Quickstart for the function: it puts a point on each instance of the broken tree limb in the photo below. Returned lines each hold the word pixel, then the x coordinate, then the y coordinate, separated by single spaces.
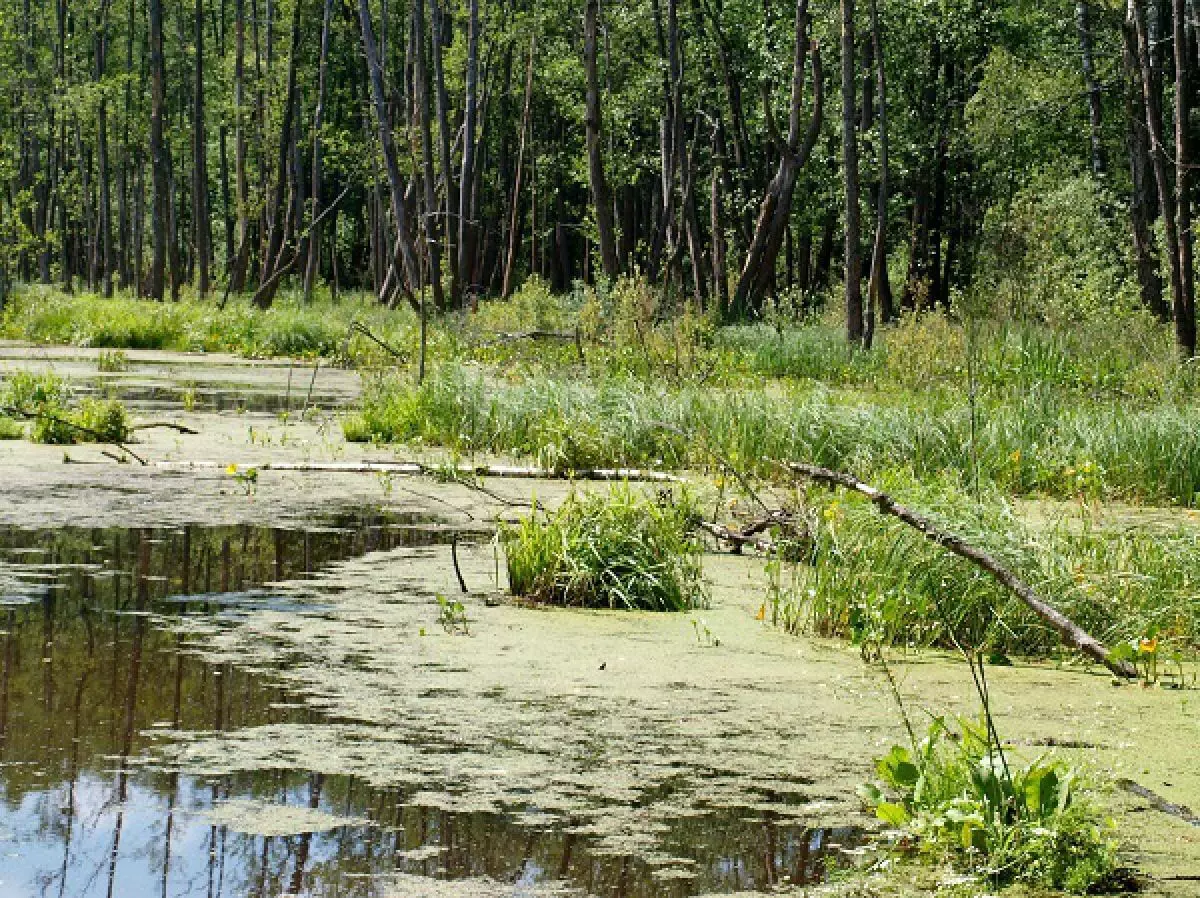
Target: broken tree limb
pixel 31 414
pixel 1070 632
pixel 738 540
pixel 169 425
pixel 415 469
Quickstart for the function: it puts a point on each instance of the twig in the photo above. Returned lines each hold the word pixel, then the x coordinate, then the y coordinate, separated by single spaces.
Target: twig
pixel 360 328
pixel 312 383
pixel 1071 632
pixel 167 424
pixel 462 584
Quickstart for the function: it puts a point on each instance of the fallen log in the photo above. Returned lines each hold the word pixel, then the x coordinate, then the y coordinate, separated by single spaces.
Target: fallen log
pixel 1070 632
pixel 416 469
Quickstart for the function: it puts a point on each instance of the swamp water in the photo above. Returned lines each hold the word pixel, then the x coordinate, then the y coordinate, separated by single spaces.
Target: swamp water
pixel 96 672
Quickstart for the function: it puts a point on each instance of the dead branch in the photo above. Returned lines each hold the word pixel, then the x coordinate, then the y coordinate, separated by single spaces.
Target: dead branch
pixel 29 414
pixel 415 469
pixel 1070 632
pixel 179 428
pixel 738 540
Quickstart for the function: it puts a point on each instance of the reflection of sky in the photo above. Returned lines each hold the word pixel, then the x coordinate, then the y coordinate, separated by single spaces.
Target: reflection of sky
pixel 37 862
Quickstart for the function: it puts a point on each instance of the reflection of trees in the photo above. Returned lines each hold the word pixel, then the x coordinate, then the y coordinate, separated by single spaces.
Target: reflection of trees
pixel 85 673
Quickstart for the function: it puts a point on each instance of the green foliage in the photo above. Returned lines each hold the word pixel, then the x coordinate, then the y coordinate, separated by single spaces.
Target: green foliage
pixel 620 550
pixel 46 399
pixel 112 362
pixel 967 804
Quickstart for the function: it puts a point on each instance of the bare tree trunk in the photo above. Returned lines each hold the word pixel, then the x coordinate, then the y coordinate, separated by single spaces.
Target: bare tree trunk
pixel 280 222
pixel 441 39
pixel 855 327
pixel 104 256
pixel 601 200
pixel 1185 307
pixel 775 210
pixel 404 254
pixel 313 263
pixel 237 276
pixel 423 101
pixel 467 175
pixel 1084 27
pixel 1143 201
pixel 879 291
pixel 514 230
pixel 158 153
pixel 202 225
pixel 1185 332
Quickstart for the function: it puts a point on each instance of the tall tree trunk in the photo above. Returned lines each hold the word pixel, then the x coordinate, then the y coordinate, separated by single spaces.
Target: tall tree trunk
pixel 279 221
pixel 237 276
pixel 880 288
pixel 855 326
pixel 424 101
pixel 104 256
pixel 514 229
pixel 759 268
pixel 159 163
pixel 1185 306
pixel 313 263
pixel 601 200
pixel 1083 15
pixel 403 254
pixel 1143 203
pixel 466 181
pixel 202 224
pixel 441 39
pixel 1166 196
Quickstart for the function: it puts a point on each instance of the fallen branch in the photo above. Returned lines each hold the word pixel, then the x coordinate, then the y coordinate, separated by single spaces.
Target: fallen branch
pixel 179 428
pixel 739 540
pixel 30 414
pixel 356 327
pixel 415 469
pixel 1071 633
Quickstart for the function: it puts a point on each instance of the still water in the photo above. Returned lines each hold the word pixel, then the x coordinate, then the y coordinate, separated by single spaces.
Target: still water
pixel 92 675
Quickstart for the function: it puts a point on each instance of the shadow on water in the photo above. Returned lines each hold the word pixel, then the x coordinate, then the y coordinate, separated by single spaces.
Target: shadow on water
pixel 89 679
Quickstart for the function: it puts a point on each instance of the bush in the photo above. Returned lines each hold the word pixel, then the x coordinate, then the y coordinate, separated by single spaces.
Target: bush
pixel 622 550
pixel 967 804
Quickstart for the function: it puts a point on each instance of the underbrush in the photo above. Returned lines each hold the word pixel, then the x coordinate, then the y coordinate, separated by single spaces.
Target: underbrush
pixel 626 329
pixel 967 803
pixel 871 577
pixel 1037 443
pixel 47 402
pixel 622 550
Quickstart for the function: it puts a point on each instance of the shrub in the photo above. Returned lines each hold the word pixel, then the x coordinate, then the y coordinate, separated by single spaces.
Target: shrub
pixel 622 550
pixel 105 420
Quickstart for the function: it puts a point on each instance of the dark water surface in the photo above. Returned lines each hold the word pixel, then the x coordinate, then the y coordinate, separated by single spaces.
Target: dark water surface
pixel 89 671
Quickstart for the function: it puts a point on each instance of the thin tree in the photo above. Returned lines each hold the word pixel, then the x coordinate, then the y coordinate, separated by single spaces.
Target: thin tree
pixel 855 328
pixel 601 199
pixel 775 210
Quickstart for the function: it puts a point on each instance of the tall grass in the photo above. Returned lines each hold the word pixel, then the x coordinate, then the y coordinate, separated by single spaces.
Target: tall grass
pixel 620 551
pixel 1040 442
pixel 876 579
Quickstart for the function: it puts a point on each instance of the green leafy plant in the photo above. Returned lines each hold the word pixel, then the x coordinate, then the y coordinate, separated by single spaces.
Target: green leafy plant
pixel 621 550
pixel 452 615
pixel 112 361
pixel 964 802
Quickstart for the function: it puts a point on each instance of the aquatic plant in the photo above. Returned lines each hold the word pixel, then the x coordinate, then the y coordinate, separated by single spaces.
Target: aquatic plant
pixel 112 361
pixel 966 803
pixel 621 550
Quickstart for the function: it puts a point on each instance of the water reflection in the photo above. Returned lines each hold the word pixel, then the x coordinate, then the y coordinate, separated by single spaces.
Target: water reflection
pixel 89 678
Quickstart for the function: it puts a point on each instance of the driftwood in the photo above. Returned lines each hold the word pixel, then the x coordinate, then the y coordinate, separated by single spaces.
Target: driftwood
pixel 738 539
pixel 418 469
pixel 169 425
pixel 754 534
pixel 1070 632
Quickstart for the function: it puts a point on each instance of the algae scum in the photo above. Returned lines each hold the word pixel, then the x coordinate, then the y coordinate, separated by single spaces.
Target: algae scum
pixel 106 691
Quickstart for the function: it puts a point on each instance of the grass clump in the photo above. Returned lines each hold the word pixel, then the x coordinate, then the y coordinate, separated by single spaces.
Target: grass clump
pixel 968 804
pixel 46 400
pixel 112 362
pixel 621 550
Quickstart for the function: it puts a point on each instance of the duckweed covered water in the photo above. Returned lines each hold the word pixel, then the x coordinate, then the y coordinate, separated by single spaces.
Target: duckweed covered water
pixel 100 677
